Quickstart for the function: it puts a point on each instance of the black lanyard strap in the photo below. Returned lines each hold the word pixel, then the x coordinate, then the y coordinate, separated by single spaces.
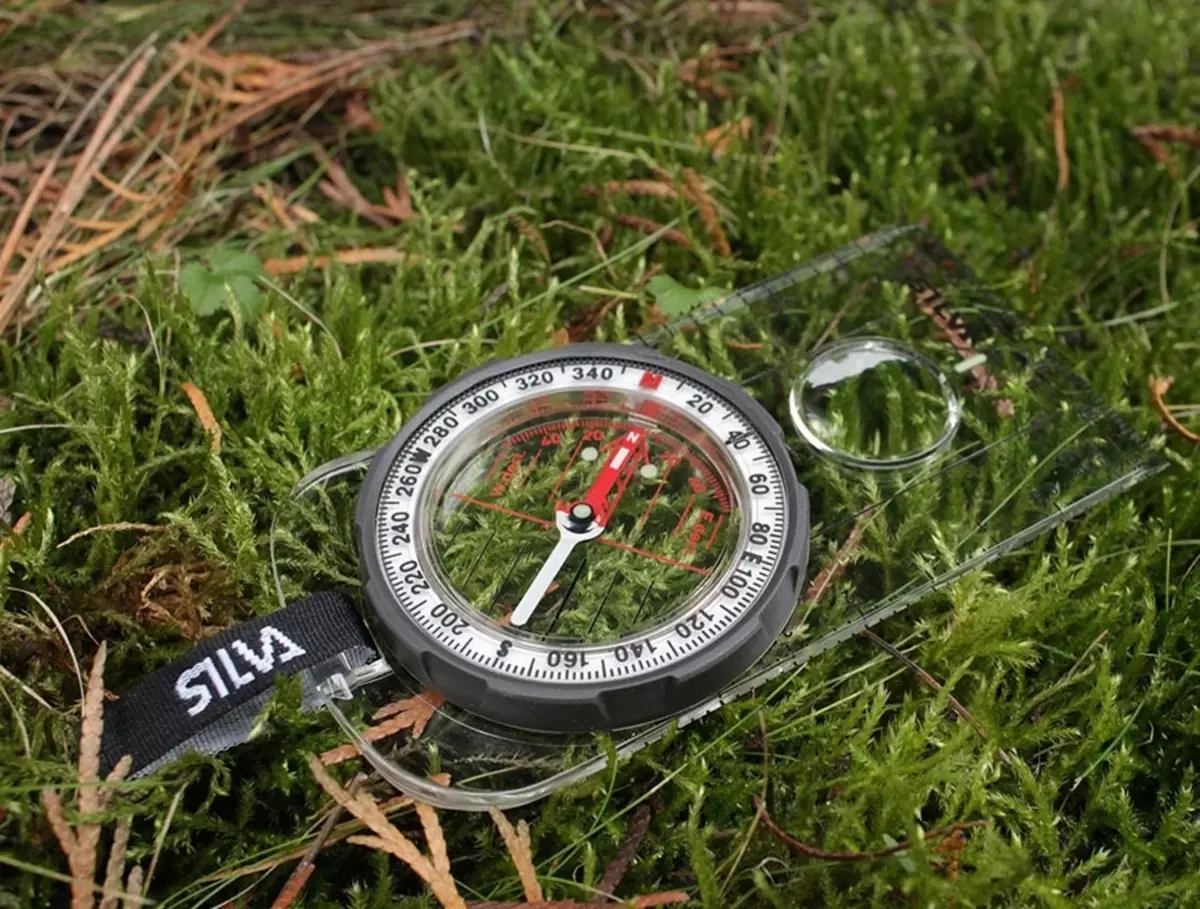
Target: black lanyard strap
pixel 209 699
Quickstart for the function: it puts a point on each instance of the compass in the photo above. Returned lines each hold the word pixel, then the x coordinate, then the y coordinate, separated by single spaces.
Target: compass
pixel 600 537
pixel 587 538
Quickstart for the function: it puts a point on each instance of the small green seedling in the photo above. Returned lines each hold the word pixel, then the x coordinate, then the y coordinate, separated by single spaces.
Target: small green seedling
pixel 230 279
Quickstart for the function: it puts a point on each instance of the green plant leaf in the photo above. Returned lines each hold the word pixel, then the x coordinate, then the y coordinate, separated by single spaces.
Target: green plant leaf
pixel 230 279
pixel 674 299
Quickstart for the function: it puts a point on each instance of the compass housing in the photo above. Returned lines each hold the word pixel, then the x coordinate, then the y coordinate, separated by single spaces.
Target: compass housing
pixel 434 611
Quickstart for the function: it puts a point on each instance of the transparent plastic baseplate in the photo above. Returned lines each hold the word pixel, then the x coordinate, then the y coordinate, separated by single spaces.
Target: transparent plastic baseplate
pixel 933 431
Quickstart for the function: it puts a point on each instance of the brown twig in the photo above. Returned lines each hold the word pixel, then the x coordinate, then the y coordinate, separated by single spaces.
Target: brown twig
pixel 366 256
pixel 329 71
pixel 341 189
pixel 834 568
pixel 90 161
pixel 111 528
pixel 646 226
pixel 1057 117
pixel 658 189
pixel 1158 387
pixel 650 900
pixel 1169 133
pixel 299 877
pixel 17 231
pixel 694 188
pixel 955 705
pixel 851 298
pixel 838 855
pixel 204 414
pixel 614 872
pixel 1152 135
pixel 579 330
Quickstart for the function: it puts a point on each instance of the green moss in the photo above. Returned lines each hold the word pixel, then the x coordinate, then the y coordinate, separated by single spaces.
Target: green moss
pixel 1078 653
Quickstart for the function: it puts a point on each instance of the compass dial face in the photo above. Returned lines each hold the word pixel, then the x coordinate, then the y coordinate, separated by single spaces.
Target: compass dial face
pixel 587 538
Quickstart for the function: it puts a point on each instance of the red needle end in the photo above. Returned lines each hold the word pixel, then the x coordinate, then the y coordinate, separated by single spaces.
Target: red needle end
pixel 619 467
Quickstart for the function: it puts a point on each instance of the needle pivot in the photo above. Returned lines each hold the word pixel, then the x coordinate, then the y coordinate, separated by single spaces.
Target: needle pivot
pixel 580 515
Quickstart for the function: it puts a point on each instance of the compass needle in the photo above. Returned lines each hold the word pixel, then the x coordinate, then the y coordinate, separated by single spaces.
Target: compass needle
pixel 542 580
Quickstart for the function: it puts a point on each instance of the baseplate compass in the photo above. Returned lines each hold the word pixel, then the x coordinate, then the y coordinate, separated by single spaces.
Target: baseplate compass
pixel 585 548
pixel 563 556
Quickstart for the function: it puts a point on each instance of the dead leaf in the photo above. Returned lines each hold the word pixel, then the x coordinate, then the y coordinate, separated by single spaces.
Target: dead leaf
pixel 718 139
pixel 58 823
pixel 99 147
pixel 695 72
pixel 1159 385
pixel 358 116
pixel 91 731
pixel 22 523
pixel 560 337
pixel 518 845
pixel 303 213
pixel 81 845
pixel 204 414
pixel 398 202
pixel 408 713
pixel 87 834
pixel 237 64
pixel 133 888
pixel 387 837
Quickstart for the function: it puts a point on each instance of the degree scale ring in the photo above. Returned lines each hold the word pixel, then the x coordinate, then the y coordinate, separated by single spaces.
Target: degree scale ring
pixel 489 582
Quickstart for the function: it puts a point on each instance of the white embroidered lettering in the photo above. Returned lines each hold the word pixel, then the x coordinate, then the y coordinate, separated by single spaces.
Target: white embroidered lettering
pixel 265 660
pixel 239 679
pixel 187 691
pixel 196 691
